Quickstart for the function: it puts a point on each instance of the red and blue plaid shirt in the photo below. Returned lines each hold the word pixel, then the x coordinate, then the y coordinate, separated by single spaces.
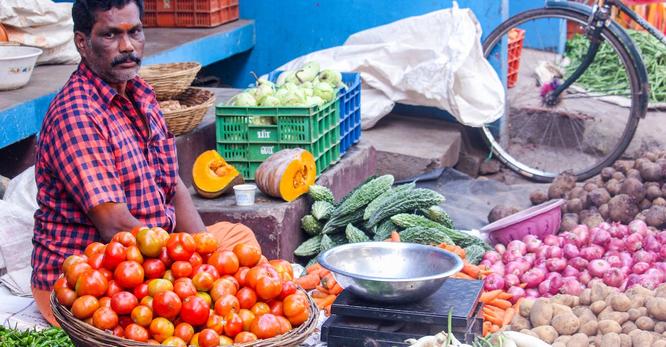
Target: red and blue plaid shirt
pixel 97 146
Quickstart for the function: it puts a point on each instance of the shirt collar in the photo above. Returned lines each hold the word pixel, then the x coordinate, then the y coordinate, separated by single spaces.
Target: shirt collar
pixel 135 88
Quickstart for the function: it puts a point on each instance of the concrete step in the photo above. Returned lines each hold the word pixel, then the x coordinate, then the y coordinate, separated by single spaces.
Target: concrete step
pixel 409 146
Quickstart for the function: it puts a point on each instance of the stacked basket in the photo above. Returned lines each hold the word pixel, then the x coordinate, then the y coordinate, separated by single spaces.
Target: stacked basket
pixel 183 107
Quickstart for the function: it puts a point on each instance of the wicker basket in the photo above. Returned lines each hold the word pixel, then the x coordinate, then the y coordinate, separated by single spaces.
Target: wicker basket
pixel 85 335
pixel 171 79
pixel 183 120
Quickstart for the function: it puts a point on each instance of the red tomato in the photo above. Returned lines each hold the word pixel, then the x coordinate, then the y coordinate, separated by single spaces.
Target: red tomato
pixel 226 341
pixel 205 242
pixel 234 324
pixel 61 282
pixel 136 230
pixel 136 332
pixel 268 288
pixel 196 260
pixel 114 254
pixel 161 328
pixel 184 289
pixel 94 248
pixel 164 257
pixel 209 338
pixel 104 302
pixel 124 302
pixel 247 255
pixel 141 291
pixel 75 270
pixel 123 321
pixel 276 307
pixel 285 325
pixel 294 305
pixel 169 276
pixel 245 336
pixel 203 281
pixel 134 254
pixel 167 304
pixel 216 323
pixel 248 317
pixel 260 308
pixel 226 262
pixel 174 341
pixel 181 246
pixel 149 242
pixel 65 296
pixel 107 274
pixel 113 288
pixel 129 274
pixel 104 318
pixel 225 304
pixel 71 260
pixel 91 282
pixel 206 297
pixel 288 288
pixel 258 272
pixel 207 268
pixel 266 326
pixel 142 315
pixel 119 331
pixel 233 280
pixel 154 268
pixel 246 297
pixel 95 260
pixel 125 238
pixel 281 266
pixel 184 331
pixel 195 310
pixel 221 287
pixel 241 275
pixel 159 285
pixel 181 268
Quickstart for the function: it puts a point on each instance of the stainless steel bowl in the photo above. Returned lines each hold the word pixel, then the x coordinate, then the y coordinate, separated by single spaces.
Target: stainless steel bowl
pixel 390 272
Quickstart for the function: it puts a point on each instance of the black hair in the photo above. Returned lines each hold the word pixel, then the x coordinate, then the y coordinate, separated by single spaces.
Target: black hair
pixel 84 11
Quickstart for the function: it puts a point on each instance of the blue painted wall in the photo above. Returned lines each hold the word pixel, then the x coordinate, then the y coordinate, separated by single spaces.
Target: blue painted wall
pixel 288 29
pixel 543 34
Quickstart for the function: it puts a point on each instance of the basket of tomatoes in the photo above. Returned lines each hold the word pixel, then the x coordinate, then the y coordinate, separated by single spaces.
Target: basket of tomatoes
pixel 149 287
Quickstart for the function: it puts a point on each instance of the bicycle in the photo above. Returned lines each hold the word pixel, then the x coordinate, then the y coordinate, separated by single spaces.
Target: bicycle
pixel 593 129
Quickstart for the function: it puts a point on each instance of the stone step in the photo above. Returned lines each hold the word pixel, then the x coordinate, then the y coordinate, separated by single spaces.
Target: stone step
pixel 409 146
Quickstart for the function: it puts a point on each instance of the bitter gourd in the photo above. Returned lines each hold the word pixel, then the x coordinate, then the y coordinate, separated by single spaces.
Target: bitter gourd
pixel 355 234
pixel 407 220
pixel 337 222
pixel 405 201
pixel 474 253
pixel 310 247
pixel 425 236
pixel 386 196
pixel 437 214
pixel 311 225
pixel 321 193
pixel 322 210
pixel 326 243
pixel 384 229
pixel 363 195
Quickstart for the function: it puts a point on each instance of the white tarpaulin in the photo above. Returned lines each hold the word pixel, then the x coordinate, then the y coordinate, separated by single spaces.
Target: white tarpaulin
pixel 431 60
pixel 43 24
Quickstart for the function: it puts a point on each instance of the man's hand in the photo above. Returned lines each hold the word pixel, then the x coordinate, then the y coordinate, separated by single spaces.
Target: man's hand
pixel 110 218
pixel 187 217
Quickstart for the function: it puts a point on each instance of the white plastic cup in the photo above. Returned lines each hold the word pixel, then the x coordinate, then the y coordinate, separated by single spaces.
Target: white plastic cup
pixel 245 194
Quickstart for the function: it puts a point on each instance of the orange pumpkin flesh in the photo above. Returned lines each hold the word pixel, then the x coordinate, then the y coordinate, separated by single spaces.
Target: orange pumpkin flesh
pixel 287 174
pixel 212 176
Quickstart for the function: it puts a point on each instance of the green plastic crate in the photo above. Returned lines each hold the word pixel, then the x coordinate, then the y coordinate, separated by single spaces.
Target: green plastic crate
pixel 245 145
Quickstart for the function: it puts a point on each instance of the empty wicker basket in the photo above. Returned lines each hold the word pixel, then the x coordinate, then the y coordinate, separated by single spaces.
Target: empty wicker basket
pixel 85 335
pixel 170 80
pixel 194 104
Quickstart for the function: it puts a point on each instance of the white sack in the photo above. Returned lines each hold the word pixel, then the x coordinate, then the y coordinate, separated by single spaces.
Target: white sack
pixel 431 60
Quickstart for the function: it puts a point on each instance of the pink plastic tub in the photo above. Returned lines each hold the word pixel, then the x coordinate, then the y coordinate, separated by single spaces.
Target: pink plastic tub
pixel 540 220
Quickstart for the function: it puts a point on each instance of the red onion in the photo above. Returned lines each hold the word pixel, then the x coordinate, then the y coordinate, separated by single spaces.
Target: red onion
pixel 532 243
pixel 633 280
pixel 552 240
pixel 555 282
pixel 633 242
pixel 604 225
pixel 638 226
pixel 615 231
pixel 592 252
pixel 554 252
pixel 556 264
pixel 541 252
pixel 584 277
pixel 570 271
pixel 533 277
pixel 530 258
pixel 486 263
pixel 531 293
pixel 626 258
pixel 517 246
pixel 492 256
pixel 510 256
pixel 516 267
pixel 640 267
pixel 662 252
pixel 651 243
pixel 648 282
pixel 493 281
pixel 582 233
pixel 511 280
pixel 579 263
pixel 600 236
pixel 598 267
pixel 661 266
pixel 500 248
pixel 544 287
pixel 570 250
pixel 516 293
pixel 661 237
pixel 615 245
pixel 571 286
pixel 614 260
pixel 655 274
pixel 613 277
pixel 497 268
pixel 644 256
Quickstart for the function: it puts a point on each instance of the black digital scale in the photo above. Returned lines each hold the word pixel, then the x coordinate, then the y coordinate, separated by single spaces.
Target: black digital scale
pixel 355 322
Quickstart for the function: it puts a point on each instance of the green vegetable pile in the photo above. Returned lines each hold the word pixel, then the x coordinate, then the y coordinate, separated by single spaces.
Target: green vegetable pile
pixel 376 208
pixel 51 337
pixel 607 74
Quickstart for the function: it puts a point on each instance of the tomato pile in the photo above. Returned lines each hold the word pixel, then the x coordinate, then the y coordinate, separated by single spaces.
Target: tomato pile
pixel 179 289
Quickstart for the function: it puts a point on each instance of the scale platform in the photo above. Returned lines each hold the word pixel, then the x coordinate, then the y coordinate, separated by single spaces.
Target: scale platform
pixel 356 322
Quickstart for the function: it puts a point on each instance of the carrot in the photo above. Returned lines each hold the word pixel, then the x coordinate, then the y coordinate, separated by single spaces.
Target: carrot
pixel 464 276
pixel 486 327
pixel 492 310
pixel 328 281
pixel 492 319
pixel 508 316
pixel 490 295
pixel 500 303
pixel 328 300
pixel 505 296
pixel 472 270
pixel 327 310
pixel 314 267
pixel 336 289
pixel 494 328
pixel 309 281
pixel 320 292
pixel 395 237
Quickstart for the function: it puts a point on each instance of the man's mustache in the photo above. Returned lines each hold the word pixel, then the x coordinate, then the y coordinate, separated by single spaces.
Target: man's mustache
pixel 125 58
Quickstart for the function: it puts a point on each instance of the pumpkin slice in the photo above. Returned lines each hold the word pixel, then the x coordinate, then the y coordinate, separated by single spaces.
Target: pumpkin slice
pixel 287 174
pixel 212 176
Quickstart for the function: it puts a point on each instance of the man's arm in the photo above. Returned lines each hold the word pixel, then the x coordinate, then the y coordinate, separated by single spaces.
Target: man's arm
pixel 110 218
pixel 187 217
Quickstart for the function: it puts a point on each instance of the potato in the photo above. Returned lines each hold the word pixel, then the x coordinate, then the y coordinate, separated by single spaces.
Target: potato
pixel 607 173
pixel 546 332
pixel 644 204
pixel 639 291
pixel 660 291
pixel 628 327
pixel 651 172
pixel 574 206
pixel 500 211
pixel 620 302
pixel 656 216
pixel 633 173
pixel 622 208
pixel 609 326
pixel 598 306
pixel 635 313
pixel 659 202
pixel 593 220
pixel 590 186
pixel 625 340
pixel 656 308
pixel 624 166
pixel 541 313
pixel 641 338
pixel 599 290
pixel 558 344
pixel 590 328
pixel 651 156
pixel 565 180
pixel 538 197
pixel 599 196
pixel 613 186
pixel 525 307
pixel 569 221
pixel 562 339
pixel 652 191
pixel 578 340
pixel 519 323
pixel 564 299
pixel 633 188
pixel 604 211
pixel 565 323
pixel 619 176
pixel 619 317
pixel 660 343
pixel 585 296
pixel 529 332
pixel 611 340
pixel 559 309
pixel 645 323
pixel 660 327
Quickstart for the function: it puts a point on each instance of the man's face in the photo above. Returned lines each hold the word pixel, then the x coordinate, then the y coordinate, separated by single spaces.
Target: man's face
pixel 114 48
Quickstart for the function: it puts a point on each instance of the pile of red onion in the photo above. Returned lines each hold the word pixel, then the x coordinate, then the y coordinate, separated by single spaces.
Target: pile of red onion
pixel 620 255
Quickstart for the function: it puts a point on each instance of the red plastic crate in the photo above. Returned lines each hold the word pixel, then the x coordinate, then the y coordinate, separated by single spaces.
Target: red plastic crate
pixel 515 50
pixel 190 13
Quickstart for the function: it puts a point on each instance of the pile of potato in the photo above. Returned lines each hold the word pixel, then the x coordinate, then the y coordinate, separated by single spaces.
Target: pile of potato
pixel 601 316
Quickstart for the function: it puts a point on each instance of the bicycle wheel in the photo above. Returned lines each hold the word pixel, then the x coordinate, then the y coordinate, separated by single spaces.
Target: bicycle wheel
pixel 590 125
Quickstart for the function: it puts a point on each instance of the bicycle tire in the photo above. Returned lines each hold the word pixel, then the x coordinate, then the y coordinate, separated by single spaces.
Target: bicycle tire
pixel 627 56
